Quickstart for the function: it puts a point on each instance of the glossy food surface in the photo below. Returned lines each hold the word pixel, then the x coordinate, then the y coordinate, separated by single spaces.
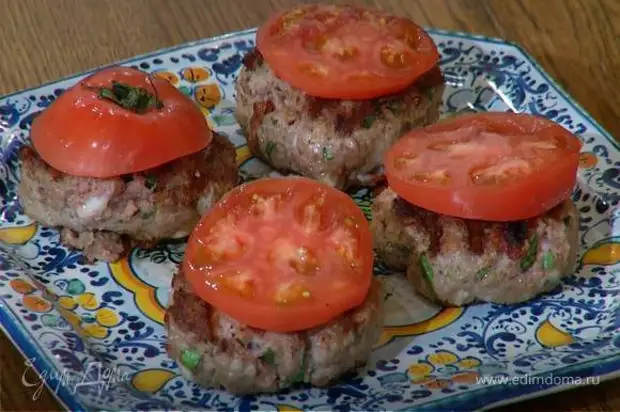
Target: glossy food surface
pixel 491 166
pixel 282 254
pixel 345 52
pixel 117 121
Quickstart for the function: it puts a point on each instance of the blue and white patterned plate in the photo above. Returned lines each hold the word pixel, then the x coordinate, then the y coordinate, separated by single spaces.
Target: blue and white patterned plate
pixel 94 332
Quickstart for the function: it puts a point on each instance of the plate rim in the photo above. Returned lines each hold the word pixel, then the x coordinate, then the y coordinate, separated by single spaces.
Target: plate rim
pixel 515 393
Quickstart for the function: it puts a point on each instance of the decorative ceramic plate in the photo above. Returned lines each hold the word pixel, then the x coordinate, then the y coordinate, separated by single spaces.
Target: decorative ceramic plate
pixel 95 335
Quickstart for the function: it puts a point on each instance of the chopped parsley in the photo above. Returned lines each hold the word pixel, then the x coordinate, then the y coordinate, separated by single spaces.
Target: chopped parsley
pixel 300 376
pixel 482 273
pixel 136 99
pixel 269 356
pixel 147 215
pixel 530 256
pixel 429 93
pixel 399 248
pixel 151 183
pixel 427 272
pixel 327 154
pixel 368 121
pixel 269 148
pixel 427 269
pixel 548 261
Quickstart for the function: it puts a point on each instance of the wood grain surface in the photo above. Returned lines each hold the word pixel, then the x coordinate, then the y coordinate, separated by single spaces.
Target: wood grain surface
pixel 576 41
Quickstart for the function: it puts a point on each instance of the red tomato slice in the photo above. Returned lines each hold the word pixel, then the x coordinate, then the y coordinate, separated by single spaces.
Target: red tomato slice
pixel 345 52
pixel 491 166
pixel 282 254
pixel 84 134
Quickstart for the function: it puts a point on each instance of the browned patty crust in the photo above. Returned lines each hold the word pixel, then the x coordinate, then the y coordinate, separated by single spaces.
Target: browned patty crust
pixel 213 349
pixel 459 261
pixel 340 142
pixel 105 217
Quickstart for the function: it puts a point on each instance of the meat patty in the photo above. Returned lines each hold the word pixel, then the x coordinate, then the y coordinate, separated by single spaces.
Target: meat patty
pixel 214 350
pixel 106 217
pixel 340 142
pixel 456 261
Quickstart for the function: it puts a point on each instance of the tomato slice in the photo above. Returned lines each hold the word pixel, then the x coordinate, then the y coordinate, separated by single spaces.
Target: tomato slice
pixel 345 52
pixel 118 121
pixel 491 166
pixel 282 254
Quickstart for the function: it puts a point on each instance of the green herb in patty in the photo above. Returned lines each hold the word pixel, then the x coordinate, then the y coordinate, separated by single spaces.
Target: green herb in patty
pixel 482 273
pixel 427 269
pixel 548 261
pixel 151 183
pixel 368 121
pixel 327 154
pixel 147 215
pixel 269 148
pixel 300 376
pixel 269 356
pixel 530 256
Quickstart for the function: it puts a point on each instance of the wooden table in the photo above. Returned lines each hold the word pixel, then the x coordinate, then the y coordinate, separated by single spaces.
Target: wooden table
pixel 577 41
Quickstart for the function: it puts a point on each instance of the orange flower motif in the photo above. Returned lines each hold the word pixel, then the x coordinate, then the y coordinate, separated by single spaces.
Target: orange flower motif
pixel 195 74
pixel 96 326
pixel 21 286
pixel 587 160
pixel 87 325
pixel 208 96
pixel 170 77
pixel 36 304
pixel 443 369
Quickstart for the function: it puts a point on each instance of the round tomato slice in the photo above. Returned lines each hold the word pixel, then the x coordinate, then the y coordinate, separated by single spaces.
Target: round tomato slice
pixel 118 121
pixel 282 254
pixel 345 52
pixel 491 166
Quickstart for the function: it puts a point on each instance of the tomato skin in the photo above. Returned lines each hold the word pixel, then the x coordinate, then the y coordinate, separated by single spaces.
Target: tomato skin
pixel 259 311
pixel 83 134
pixel 356 72
pixel 549 178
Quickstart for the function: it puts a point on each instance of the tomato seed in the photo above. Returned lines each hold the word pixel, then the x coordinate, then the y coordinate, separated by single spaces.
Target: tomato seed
pixel 395 59
pixel 502 172
pixel 438 176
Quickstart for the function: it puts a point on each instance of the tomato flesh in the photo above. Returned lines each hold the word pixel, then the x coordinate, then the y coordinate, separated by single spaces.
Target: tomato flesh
pixel 345 52
pixel 282 254
pixel 83 134
pixel 490 166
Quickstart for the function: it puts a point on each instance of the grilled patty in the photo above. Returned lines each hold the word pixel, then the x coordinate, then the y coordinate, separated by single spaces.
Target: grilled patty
pixel 214 350
pixel 340 142
pixel 456 261
pixel 106 217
